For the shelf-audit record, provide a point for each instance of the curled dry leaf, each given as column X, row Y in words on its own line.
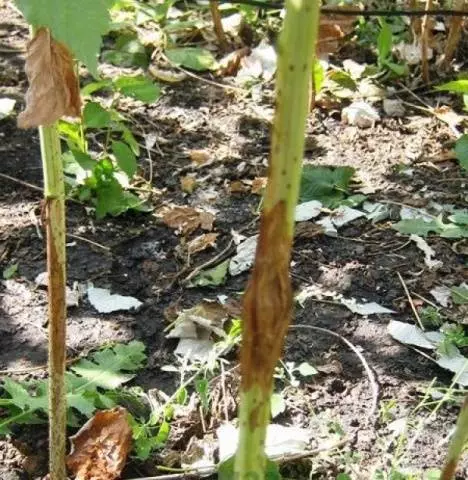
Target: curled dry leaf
column 53, row 87
column 101, row 447
column 187, row 219
column 230, row 64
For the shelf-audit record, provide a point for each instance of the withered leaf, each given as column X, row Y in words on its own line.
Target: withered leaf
column 101, row 447
column 202, row 242
column 53, row 87
column 331, row 30
column 187, row 219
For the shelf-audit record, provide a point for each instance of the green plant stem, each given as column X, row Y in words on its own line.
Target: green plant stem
column 268, row 298
column 54, row 198
column 457, row 444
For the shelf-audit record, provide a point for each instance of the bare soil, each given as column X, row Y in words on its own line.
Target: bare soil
column 139, row 259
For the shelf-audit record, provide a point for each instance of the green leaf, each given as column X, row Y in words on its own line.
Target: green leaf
column 417, row 226
column 139, row 87
column 126, row 159
column 460, row 295
column 195, row 58
column 305, row 369
column 202, row 388
column 459, row 216
column 277, row 404
column 21, row 398
column 105, row 369
column 212, row 277
column 92, row 87
column 318, row 74
column 343, row 476
column 455, row 86
column 384, row 41
column 10, row 271
column 127, row 135
column 461, row 151
column 95, row 116
column 328, row 185
column 128, row 52
column 78, row 24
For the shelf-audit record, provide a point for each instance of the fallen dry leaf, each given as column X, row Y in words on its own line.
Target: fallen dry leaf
column 237, row 187
column 229, row 65
column 53, row 87
column 202, row 242
column 187, row 219
column 332, row 29
column 101, row 447
column 258, row 185
column 188, row 183
column 199, row 157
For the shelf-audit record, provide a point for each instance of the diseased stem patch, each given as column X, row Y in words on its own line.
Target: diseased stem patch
column 267, row 302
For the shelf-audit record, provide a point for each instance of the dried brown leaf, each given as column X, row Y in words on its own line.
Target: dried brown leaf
column 199, row 156
column 237, row 187
column 188, row 183
column 187, row 219
column 101, row 447
column 331, row 30
column 53, row 87
column 258, row 185
column 202, row 242
column 229, row 64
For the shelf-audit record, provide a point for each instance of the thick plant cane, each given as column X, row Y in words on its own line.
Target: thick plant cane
column 268, row 299
column 54, row 207
column 457, row 444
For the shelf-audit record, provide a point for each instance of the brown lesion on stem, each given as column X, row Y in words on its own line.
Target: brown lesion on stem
column 54, row 208
column 267, row 302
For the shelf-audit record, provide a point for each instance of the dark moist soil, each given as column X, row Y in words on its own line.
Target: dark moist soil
column 139, row 259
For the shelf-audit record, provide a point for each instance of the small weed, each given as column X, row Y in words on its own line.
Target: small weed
column 431, row 317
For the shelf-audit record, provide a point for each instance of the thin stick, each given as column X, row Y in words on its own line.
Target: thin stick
column 370, row 374
column 21, row 182
column 410, row 300
column 204, row 80
column 91, row 242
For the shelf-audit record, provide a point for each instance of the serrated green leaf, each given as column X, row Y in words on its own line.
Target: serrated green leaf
column 95, row 116
column 461, row 151
column 126, row 159
column 417, row 226
column 195, row 58
column 277, row 404
column 78, row 24
column 328, row 185
column 105, row 369
column 460, row 295
column 455, row 86
column 21, row 398
column 138, row 87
